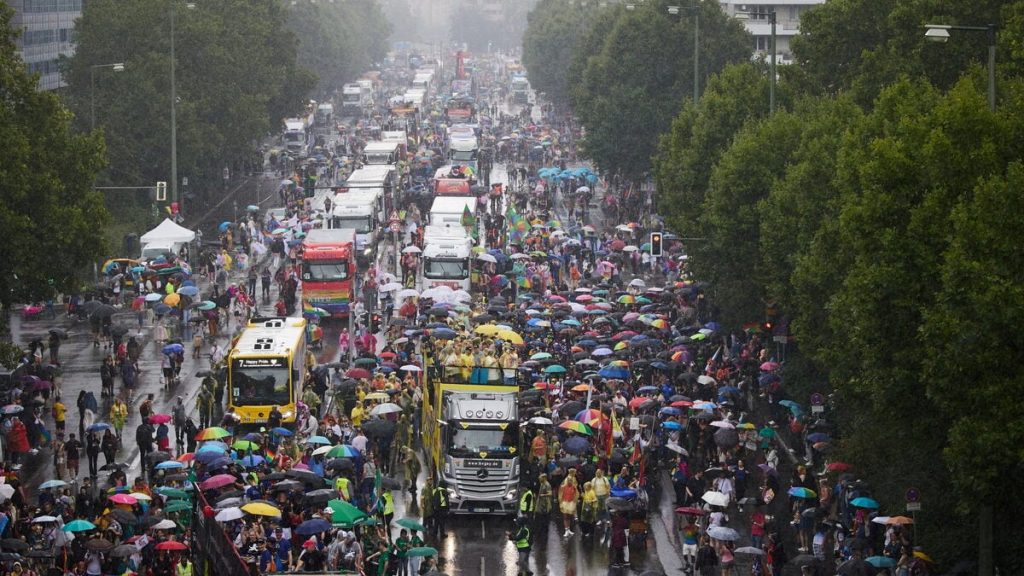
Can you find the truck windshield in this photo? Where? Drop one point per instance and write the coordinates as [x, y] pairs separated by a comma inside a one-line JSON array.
[[446, 268], [482, 438], [361, 224], [324, 270], [263, 385], [464, 155], [293, 136], [379, 158]]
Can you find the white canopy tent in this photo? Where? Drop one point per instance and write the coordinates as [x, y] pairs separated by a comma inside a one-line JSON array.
[[168, 232]]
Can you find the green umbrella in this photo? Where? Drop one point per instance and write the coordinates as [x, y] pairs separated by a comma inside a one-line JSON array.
[[411, 524], [421, 551], [79, 526], [177, 506], [245, 445], [555, 369], [345, 513], [171, 492], [207, 305]]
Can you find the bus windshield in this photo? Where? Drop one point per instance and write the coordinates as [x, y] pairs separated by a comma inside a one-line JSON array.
[[446, 268], [324, 270], [482, 438], [259, 381], [361, 224]]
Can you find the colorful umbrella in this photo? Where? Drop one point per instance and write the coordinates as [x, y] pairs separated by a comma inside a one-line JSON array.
[[212, 433], [578, 427]]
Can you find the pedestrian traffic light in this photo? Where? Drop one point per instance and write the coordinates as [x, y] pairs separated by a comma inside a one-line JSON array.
[[656, 248], [161, 191]]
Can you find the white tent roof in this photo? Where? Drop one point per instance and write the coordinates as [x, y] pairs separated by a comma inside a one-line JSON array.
[[168, 231]]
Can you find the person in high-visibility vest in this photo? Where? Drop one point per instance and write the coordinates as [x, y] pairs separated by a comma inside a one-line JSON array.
[[341, 484], [441, 509], [521, 538], [389, 506], [527, 503]]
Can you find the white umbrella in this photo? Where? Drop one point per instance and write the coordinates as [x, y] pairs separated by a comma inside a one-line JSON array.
[[638, 282], [229, 514], [749, 550], [6, 491], [629, 248], [165, 524], [583, 189], [623, 228], [437, 292], [715, 498], [411, 368], [391, 287], [140, 496], [44, 519], [704, 379], [723, 533], [677, 448], [411, 249], [487, 258], [723, 424], [322, 450], [407, 293], [385, 408], [520, 256], [461, 295], [540, 421]]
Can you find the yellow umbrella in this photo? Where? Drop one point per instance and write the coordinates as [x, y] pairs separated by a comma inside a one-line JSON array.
[[487, 329], [923, 556], [172, 299], [510, 336], [261, 509]]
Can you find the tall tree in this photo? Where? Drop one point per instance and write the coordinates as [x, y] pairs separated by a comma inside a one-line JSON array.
[[554, 30], [52, 219]]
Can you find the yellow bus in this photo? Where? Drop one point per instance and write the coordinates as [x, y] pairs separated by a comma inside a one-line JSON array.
[[265, 369]]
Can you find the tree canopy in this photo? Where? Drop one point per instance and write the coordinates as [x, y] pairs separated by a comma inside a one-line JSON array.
[[52, 219], [555, 28]]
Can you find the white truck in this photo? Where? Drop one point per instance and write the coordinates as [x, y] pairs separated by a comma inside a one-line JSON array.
[[479, 441], [448, 210], [361, 209], [446, 258], [296, 135], [353, 100]]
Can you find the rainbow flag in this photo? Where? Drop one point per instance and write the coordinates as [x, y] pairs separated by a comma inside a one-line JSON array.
[[270, 454]]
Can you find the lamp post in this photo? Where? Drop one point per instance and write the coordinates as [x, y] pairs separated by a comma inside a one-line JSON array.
[[174, 115], [940, 33], [118, 67], [771, 85], [675, 10]]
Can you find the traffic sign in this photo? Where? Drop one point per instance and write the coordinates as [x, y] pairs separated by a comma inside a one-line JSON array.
[[817, 399], [913, 495], [913, 506]]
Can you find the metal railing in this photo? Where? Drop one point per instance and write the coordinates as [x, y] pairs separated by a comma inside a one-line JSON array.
[[213, 550]]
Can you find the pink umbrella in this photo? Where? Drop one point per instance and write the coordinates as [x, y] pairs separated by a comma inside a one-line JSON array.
[[769, 366], [218, 481], [160, 418], [123, 499]]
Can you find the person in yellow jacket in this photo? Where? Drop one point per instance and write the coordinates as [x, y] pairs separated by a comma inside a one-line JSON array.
[[118, 416], [343, 486], [602, 489], [183, 568]]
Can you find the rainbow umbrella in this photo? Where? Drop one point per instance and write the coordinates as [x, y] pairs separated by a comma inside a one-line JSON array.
[[212, 433], [626, 299], [577, 427], [590, 417], [621, 346], [342, 451]]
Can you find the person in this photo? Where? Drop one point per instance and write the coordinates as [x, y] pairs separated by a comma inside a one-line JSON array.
[[73, 448], [92, 451], [265, 279], [108, 445], [144, 438], [381, 558], [59, 415], [619, 542], [527, 503], [402, 545], [311, 559], [706, 558], [567, 497], [441, 509], [603, 489], [60, 457], [183, 567], [690, 536], [179, 415], [107, 373], [82, 405], [54, 343], [118, 416], [521, 537], [588, 515]]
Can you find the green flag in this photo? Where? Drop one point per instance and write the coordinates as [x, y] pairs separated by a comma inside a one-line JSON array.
[[468, 220]]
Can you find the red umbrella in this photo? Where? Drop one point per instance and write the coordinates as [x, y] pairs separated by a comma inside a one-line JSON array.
[[388, 355], [218, 481], [839, 467], [636, 402], [682, 404], [171, 545], [160, 418], [617, 245], [691, 511], [359, 373]]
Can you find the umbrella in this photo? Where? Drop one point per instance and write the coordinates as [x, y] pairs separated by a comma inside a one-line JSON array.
[[865, 502], [321, 440], [616, 504], [123, 516], [540, 421], [212, 433], [578, 427], [385, 408], [52, 484], [749, 550], [411, 250], [229, 514], [804, 560], [125, 499], [411, 524], [171, 545], [715, 498], [881, 561], [801, 492], [314, 526], [99, 545], [576, 445], [421, 551], [218, 481], [723, 533], [79, 526], [165, 524], [690, 511], [177, 506], [261, 509], [726, 438], [123, 551], [378, 428], [345, 513], [14, 544]]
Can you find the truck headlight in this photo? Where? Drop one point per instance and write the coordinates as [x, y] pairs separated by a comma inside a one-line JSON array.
[[511, 495]]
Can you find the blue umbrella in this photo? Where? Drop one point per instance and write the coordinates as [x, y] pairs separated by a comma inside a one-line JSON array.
[[52, 484], [728, 391], [208, 456], [188, 283], [659, 365], [603, 351], [670, 411], [793, 407], [282, 431], [318, 440], [881, 561], [865, 502], [222, 462], [216, 444], [99, 427], [713, 326], [613, 372], [174, 348], [576, 445], [817, 437], [314, 526], [670, 425], [627, 493], [646, 389], [169, 465], [189, 291], [252, 461], [224, 226], [161, 309], [767, 379]]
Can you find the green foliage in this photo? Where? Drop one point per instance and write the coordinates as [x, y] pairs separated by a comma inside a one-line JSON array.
[[633, 83], [237, 79], [52, 220], [339, 40], [554, 30], [10, 355]]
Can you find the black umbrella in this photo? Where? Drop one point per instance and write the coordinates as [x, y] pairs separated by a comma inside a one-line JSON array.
[[90, 306], [440, 312], [569, 462], [804, 560], [341, 464], [276, 476], [390, 483], [158, 457], [576, 445], [481, 319], [122, 516], [14, 544], [307, 476], [204, 373], [571, 408], [379, 428], [59, 333], [286, 485], [123, 551], [103, 311], [119, 330], [619, 504], [113, 466], [175, 477], [40, 554], [320, 496]]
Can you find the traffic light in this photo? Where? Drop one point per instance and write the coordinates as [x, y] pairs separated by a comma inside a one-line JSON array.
[[161, 191], [768, 326], [656, 248]]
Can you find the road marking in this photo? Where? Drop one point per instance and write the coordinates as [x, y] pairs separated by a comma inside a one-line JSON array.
[[483, 564], [483, 531]]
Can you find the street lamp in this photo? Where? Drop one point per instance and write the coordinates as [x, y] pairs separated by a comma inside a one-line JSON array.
[[174, 115], [675, 10], [118, 67], [940, 33]]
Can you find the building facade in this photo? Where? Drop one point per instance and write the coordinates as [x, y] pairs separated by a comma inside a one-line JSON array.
[[756, 15], [47, 33]]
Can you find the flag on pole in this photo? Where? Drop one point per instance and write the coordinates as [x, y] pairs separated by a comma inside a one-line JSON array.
[[468, 220], [610, 440]]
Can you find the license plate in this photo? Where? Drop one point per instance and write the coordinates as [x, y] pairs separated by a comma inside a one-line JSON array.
[[480, 510]]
